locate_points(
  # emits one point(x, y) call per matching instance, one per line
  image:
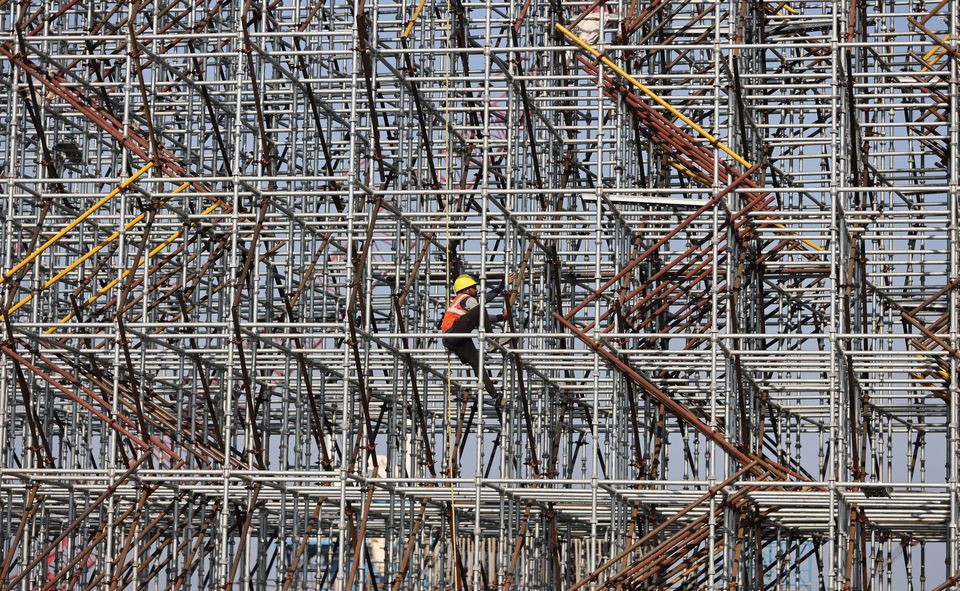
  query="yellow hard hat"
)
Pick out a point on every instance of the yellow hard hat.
point(463, 282)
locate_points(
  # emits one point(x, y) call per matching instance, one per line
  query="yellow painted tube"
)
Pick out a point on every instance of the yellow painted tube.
point(689, 173)
point(672, 110)
point(100, 246)
point(23, 302)
point(153, 252)
point(942, 373)
point(656, 98)
point(776, 10)
point(812, 245)
point(53, 240)
point(936, 52)
point(932, 51)
point(413, 19)
point(705, 182)
point(83, 258)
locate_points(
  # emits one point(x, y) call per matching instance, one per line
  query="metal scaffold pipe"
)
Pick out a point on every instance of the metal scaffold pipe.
point(527, 296)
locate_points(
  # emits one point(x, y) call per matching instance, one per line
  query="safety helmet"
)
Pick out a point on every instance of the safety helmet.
point(463, 282)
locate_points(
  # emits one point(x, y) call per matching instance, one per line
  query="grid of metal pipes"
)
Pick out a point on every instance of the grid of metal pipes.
point(727, 233)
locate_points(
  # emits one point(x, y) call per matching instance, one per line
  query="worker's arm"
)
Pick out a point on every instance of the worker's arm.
point(491, 320)
point(495, 291)
point(490, 295)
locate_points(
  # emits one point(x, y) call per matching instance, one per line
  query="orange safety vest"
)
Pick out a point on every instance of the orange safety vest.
point(455, 311)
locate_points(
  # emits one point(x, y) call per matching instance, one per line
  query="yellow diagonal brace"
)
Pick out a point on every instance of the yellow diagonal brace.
point(413, 19)
point(656, 98)
point(689, 173)
point(936, 52)
point(776, 10)
point(706, 134)
point(706, 183)
point(86, 256)
point(133, 268)
point(75, 223)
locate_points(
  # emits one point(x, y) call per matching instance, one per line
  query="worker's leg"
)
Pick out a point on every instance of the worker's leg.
point(468, 354)
point(588, 30)
point(470, 321)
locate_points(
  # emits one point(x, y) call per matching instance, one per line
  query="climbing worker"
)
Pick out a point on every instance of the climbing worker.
point(463, 316)
point(588, 25)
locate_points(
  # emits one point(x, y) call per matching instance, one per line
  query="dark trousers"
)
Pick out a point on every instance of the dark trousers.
point(466, 351)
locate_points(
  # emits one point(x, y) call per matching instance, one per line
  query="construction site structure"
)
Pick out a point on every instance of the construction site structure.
point(729, 233)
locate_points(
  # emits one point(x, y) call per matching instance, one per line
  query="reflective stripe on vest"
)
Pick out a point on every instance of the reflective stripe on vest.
point(454, 312)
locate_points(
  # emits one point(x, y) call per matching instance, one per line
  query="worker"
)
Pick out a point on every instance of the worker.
point(463, 316)
point(589, 28)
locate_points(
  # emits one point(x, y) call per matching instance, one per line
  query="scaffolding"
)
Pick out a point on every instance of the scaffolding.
point(729, 234)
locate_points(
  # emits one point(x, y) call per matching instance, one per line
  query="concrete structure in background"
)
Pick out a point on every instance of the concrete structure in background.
point(228, 231)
